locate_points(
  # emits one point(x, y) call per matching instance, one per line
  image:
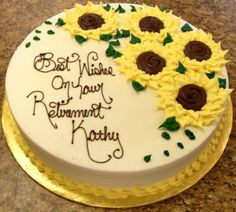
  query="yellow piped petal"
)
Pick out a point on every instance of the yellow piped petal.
point(171, 23)
point(71, 20)
point(214, 63)
point(128, 66)
point(215, 104)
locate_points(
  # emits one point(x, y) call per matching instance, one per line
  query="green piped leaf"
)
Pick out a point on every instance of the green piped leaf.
point(122, 34)
point(170, 124)
point(222, 83)
point(211, 75)
point(118, 35)
point(168, 39)
point(27, 45)
point(37, 31)
point(120, 9)
point(50, 32)
point(107, 7)
point(80, 39)
point(147, 158)
point(106, 37)
point(111, 52)
point(48, 22)
point(36, 38)
point(180, 145)
point(181, 69)
point(133, 8)
point(134, 39)
point(137, 86)
point(60, 22)
point(164, 9)
point(117, 54)
point(166, 153)
point(190, 134)
point(186, 28)
point(165, 135)
point(115, 43)
point(125, 33)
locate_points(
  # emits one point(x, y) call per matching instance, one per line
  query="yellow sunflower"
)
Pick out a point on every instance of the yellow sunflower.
point(149, 23)
point(148, 63)
point(90, 20)
point(197, 51)
point(193, 99)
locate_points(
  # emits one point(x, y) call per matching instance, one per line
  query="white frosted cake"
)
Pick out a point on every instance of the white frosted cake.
point(117, 95)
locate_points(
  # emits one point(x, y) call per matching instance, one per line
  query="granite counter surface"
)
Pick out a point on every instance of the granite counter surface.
point(214, 192)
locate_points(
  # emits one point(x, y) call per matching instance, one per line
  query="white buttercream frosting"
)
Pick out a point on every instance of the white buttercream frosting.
point(63, 78)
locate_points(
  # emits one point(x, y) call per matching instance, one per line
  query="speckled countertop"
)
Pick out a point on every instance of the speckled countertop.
point(214, 192)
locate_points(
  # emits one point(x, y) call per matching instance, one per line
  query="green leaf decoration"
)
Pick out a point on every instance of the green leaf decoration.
point(190, 134)
point(165, 135)
point(116, 54)
point(80, 39)
point(181, 69)
point(125, 33)
point(133, 8)
point(180, 145)
point(50, 32)
point(36, 38)
point(166, 153)
point(48, 22)
point(222, 83)
point(170, 124)
point(186, 28)
point(164, 9)
point(120, 9)
point(115, 43)
point(137, 86)
point(147, 158)
point(134, 39)
point(37, 31)
point(27, 45)
point(60, 22)
point(111, 52)
point(211, 75)
point(107, 7)
point(117, 35)
point(106, 37)
point(168, 39)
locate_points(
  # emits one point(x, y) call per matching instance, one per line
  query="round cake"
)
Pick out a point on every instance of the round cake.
point(117, 96)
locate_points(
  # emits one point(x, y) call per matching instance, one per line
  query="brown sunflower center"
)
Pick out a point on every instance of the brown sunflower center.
point(151, 24)
point(90, 21)
point(197, 50)
point(192, 97)
point(150, 62)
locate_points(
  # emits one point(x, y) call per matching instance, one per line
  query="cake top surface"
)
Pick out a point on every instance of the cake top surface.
point(79, 105)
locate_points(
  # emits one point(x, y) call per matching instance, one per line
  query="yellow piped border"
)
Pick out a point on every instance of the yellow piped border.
point(115, 198)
